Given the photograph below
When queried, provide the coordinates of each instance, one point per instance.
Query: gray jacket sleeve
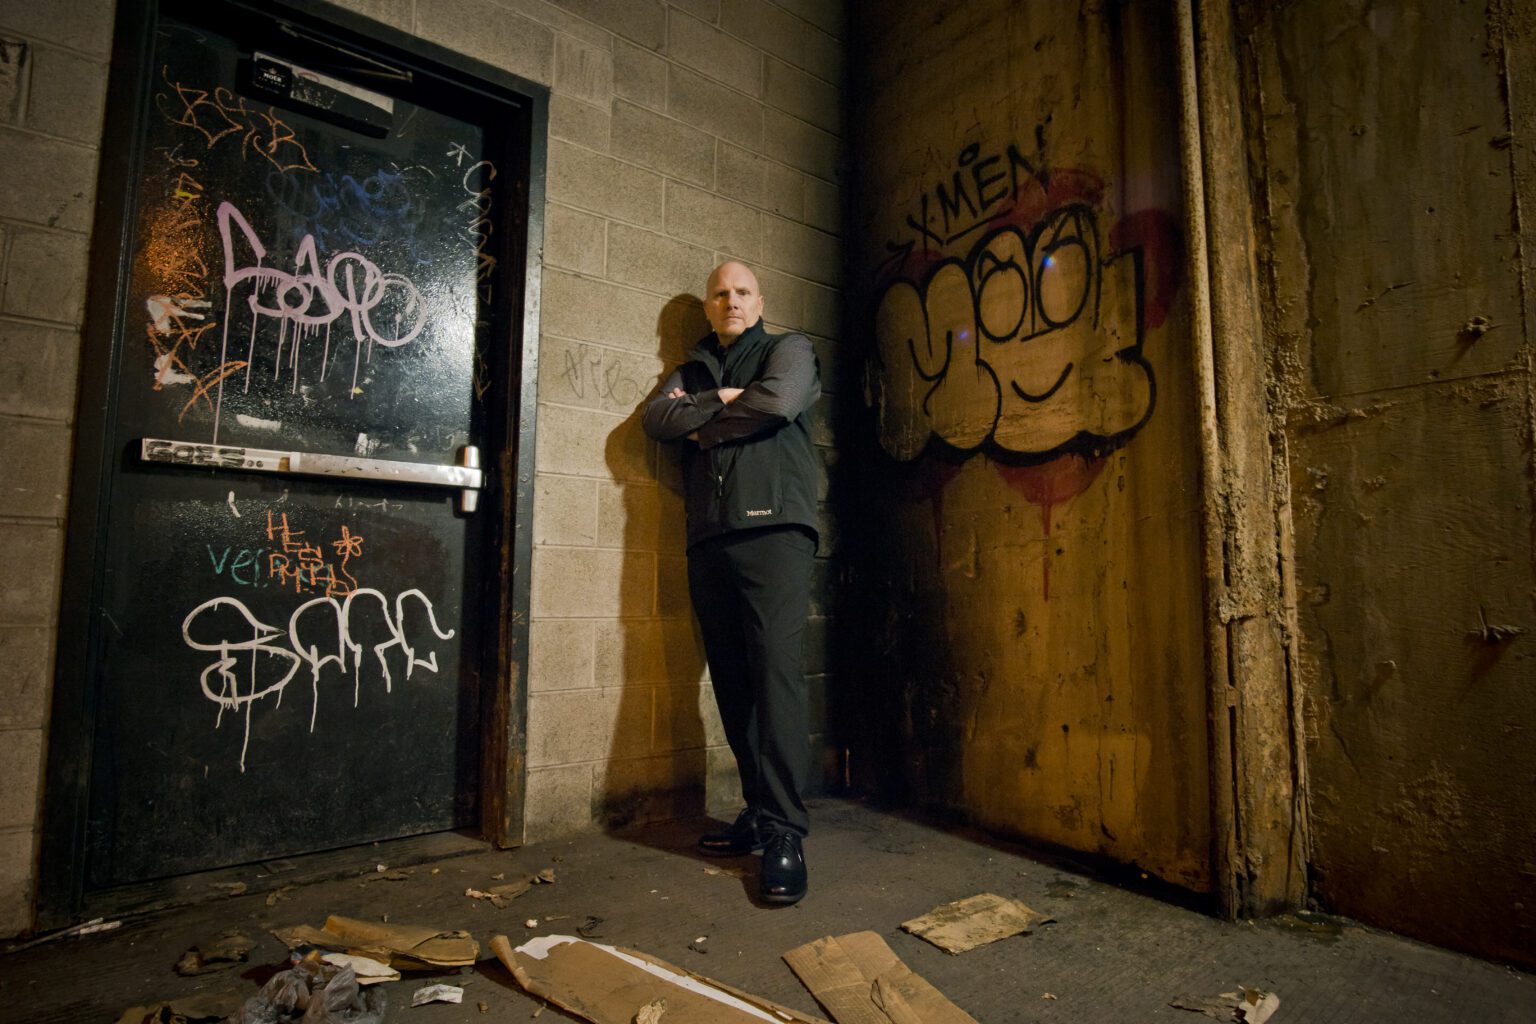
(788, 386)
(672, 419)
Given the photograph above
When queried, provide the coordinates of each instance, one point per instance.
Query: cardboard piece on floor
(1250, 1006)
(608, 985)
(366, 969)
(974, 921)
(198, 1009)
(859, 980)
(404, 947)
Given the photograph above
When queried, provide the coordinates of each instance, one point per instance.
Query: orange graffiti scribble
(304, 565)
(219, 114)
(206, 383)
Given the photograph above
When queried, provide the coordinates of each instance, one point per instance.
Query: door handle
(466, 476)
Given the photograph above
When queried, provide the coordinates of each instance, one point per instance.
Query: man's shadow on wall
(668, 758)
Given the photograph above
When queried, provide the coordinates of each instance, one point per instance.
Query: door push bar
(466, 476)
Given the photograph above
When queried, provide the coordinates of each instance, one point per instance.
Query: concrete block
(816, 650)
(705, 10)
(16, 858)
(45, 275)
(564, 510)
(15, 62)
(823, 206)
(582, 123)
(679, 724)
(576, 726)
(583, 442)
(574, 240)
(36, 457)
(830, 16)
(662, 143)
(816, 701)
(560, 654)
(831, 365)
(639, 75)
(783, 299)
(593, 583)
(672, 600)
(634, 652)
(640, 517)
(808, 98)
(485, 31)
(715, 108)
(634, 790)
(599, 184)
(739, 174)
(586, 309)
(802, 251)
(766, 26)
(715, 54)
(655, 262)
(823, 310)
(562, 21)
(395, 13)
(31, 598)
(784, 191)
(641, 21)
(27, 654)
(46, 181)
(801, 145)
(722, 783)
(38, 369)
(68, 95)
(707, 219)
(595, 376)
(84, 25)
(583, 71)
(824, 57)
(709, 717)
(21, 767)
(558, 803)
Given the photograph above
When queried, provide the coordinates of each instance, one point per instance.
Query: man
(738, 408)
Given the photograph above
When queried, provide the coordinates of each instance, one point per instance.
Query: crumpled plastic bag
(313, 992)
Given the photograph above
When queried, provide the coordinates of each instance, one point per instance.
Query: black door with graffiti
(288, 636)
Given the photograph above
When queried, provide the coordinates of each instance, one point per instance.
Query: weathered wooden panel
(1030, 567)
(1414, 556)
(1402, 192)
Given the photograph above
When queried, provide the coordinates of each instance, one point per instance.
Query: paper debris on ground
(215, 954)
(404, 947)
(231, 888)
(196, 1009)
(280, 893)
(1248, 1006)
(608, 985)
(368, 970)
(501, 895)
(859, 980)
(437, 994)
(974, 921)
(651, 1012)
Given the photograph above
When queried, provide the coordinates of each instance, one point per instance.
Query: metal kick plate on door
(466, 476)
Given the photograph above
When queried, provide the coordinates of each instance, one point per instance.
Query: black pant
(751, 592)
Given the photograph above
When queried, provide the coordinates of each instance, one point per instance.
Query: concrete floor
(1112, 954)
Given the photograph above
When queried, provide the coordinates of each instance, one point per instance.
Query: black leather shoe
(784, 874)
(738, 840)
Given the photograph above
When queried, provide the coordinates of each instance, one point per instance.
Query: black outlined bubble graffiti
(1028, 346)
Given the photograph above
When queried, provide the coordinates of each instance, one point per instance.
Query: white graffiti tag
(321, 634)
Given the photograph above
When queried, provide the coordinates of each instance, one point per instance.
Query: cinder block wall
(53, 77)
(680, 134)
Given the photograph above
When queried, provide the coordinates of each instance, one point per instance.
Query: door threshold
(142, 898)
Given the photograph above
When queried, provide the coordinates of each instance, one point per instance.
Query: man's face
(731, 301)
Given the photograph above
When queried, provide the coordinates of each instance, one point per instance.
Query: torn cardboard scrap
(437, 994)
(404, 947)
(974, 921)
(859, 980)
(607, 985)
(1249, 1006)
(215, 954)
(368, 970)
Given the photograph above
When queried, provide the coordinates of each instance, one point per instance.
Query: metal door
(287, 640)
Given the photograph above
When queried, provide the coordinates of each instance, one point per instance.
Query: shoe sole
(712, 852)
(783, 897)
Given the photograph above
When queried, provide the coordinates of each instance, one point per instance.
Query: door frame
(61, 896)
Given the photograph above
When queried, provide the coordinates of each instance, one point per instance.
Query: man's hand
(728, 395)
(676, 393)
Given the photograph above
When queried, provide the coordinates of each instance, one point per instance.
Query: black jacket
(753, 464)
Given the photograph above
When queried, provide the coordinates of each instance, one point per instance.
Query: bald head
(732, 301)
